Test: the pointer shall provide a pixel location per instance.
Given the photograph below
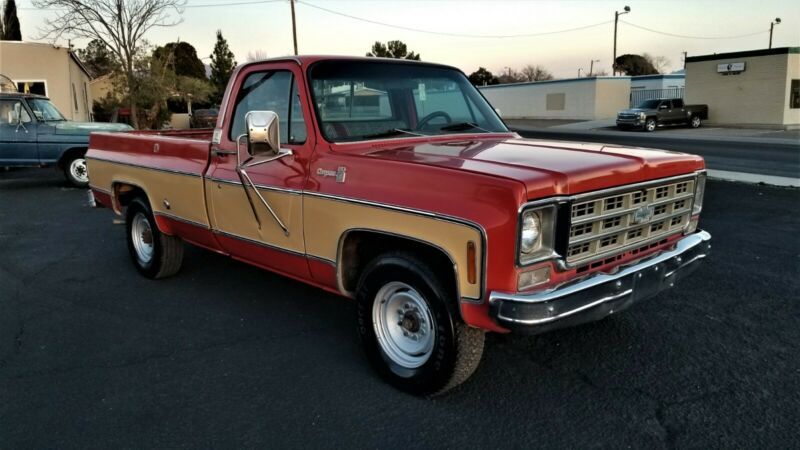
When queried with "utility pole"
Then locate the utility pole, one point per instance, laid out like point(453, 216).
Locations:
point(591, 66)
point(627, 9)
point(685, 55)
point(772, 24)
point(579, 71)
point(294, 27)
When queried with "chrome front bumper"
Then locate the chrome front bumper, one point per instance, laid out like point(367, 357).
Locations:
point(599, 295)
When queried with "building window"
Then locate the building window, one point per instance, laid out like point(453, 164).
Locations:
point(794, 95)
point(74, 98)
point(555, 102)
point(32, 87)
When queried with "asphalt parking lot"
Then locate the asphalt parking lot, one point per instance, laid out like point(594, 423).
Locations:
point(225, 355)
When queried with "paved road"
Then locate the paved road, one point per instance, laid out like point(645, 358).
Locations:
point(776, 157)
point(225, 355)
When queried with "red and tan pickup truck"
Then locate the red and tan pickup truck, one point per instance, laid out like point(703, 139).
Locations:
point(396, 184)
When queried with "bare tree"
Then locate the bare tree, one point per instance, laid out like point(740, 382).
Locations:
point(256, 55)
point(119, 24)
point(661, 63)
point(535, 73)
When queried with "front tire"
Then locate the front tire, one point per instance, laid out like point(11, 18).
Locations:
point(154, 254)
point(695, 121)
point(76, 172)
point(650, 125)
point(409, 328)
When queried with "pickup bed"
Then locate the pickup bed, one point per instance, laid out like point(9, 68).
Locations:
point(652, 114)
point(394, 183)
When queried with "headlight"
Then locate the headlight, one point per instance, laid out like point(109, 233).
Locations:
point(642, 115)
point(699, 193)
point(536, 234)
point(531, 231)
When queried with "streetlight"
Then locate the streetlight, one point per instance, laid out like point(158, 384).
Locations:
point(591, 66)
point(579, 71)
point(772, 24)
point(627, 9)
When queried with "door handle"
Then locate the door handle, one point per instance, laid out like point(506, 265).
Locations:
point(218, 152)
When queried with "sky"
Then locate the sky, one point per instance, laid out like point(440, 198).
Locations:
point(563, 36)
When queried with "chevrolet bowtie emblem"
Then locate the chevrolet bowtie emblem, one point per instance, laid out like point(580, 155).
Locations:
point(642, 215)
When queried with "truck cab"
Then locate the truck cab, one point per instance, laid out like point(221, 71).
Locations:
point(34, 133)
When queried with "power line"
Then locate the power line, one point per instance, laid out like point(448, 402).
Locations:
point(188, 6)
point(439, 33)
point(692, 37)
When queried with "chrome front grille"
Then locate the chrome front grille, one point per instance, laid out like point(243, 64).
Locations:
point(611, 223)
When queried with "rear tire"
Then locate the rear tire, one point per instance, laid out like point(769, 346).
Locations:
point(154, 254)
point(410, 329)
point(76, 172)
point(650, 125)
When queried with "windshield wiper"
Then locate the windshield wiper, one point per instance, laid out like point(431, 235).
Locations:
point(463, 126)
point(390, 133)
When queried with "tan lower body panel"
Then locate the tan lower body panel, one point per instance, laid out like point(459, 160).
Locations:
point(327, 220)
point(182, 192)
point(232, 214)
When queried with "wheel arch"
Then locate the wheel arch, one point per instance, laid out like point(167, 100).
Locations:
point(70, 153)
point(359, 246)
point(124, 192)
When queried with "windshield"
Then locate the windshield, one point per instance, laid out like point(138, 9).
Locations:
point(44, 110)
point(649, 104)
point(361, 100)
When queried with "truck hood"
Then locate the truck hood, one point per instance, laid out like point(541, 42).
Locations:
point(84, 128)
point(548, 168)
point(635, 110)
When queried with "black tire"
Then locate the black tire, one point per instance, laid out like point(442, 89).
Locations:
point(695, 121)
point(167, 251)
point(650, 124)
point(75, 171)
point(456, 349)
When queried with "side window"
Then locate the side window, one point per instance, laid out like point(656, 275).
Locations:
point(677, 103)
point(11, 111)
point(270, 91)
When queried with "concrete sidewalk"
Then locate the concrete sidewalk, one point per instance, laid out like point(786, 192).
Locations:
point(608, 127)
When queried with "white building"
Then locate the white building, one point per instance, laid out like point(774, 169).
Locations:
point(590, 98)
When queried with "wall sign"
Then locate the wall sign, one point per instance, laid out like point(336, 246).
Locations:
point(729, 68)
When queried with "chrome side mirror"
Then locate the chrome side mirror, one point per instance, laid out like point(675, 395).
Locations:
point(263, 133)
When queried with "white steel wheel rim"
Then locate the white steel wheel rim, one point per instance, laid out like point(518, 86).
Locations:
point(403, 325)
point(651, 125)
point(695, 121)
point(78, 170)
point(142, 237)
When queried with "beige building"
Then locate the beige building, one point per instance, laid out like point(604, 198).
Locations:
point(49, 70)
point(590, 98)
point(758, 88)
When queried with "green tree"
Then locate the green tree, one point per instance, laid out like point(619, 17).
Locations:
point(633, 65)
point(97, 58)
point(483, 77)
point(222, 65)
point(11, 30)
point(182, 57)
point(393, 49)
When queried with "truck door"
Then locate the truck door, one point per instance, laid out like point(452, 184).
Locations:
point(17, 134)
point(257, 214)
point(671, 114)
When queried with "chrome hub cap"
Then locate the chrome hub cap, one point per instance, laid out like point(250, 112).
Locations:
point(403, 325)
point(695, 121)
point(142, 237)
point(651, 125)
point(78, 170)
